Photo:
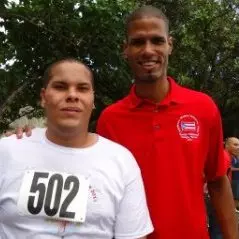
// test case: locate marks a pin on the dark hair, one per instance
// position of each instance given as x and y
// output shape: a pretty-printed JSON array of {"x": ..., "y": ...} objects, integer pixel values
[
  {"x": 47, "y": 73},
  {"x": 146, "y": 11}
]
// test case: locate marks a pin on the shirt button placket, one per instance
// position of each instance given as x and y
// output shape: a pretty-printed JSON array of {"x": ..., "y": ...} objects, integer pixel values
[{"x": 155, "y": 123}]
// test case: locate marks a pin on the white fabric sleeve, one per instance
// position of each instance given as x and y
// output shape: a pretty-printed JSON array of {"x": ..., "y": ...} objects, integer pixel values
[
  {"x": 2, "y": 164},
  {"x": 133, "y": 220}
]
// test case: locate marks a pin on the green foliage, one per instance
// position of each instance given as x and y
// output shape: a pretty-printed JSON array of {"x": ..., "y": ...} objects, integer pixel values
[
  {"x": 41, "y": 31},
  {"x": 205, "y": 56}
]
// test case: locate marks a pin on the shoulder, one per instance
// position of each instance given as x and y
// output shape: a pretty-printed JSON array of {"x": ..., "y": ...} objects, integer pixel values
[
  {"x": 200, "y": 100},
  {"x": 119, "y": 161},
  {"x": 12, "y": 141},
  {"x": 10, "y": 146},
  {"x": 120, "y": 154},
  {"x": 118, "y": 106},
  {"x": 195, "y": 96},
  {"x": 114, "y": 148}
]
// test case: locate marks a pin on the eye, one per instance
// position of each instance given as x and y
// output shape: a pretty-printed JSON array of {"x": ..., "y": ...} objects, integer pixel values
[
  {"x": 157, "y": 40},
  {"x": 137, "y": 42},
  {"x": 83, "y": 88},
  {"x": 59, "y": 86}
]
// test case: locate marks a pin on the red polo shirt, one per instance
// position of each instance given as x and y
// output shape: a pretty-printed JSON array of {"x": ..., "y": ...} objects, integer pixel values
[{"x": 175, "y": 143}]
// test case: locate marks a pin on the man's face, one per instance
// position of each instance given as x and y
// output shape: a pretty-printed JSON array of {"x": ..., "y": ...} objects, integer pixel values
[
  {"x": 147, "y": 49},
  {"x": 68, "y": 98},
  {"x": 233, "y": 146}
]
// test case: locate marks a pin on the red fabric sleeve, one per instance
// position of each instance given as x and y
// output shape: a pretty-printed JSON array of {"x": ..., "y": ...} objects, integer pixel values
[{"x": 216, "y": 165}]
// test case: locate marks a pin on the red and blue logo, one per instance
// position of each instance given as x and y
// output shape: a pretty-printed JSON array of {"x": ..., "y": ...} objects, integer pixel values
[{"x": 188, "y": 127}]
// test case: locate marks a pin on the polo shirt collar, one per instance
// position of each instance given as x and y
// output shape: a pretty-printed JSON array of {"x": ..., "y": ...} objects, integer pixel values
[{"x": 174, "y": 96}]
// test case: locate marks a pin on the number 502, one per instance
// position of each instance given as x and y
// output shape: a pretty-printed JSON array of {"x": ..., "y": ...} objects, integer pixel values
[{"x": 45, "y": 197}]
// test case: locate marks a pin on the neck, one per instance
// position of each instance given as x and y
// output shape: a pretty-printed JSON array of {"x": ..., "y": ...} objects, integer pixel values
[
  {"x": 155, "y": 91},
  {"x": 70, "y": 138}
]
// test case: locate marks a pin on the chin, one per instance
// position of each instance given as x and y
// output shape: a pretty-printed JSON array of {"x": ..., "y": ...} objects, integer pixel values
[
  {"x": 149, "y": 78},
  {"x": 70, "y": 126}
]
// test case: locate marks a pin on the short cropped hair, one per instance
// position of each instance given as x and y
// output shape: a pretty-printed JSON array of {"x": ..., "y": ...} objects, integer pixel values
[
  {"x": 146, "y": 11},
  {"x": 229, "y": 140},
  {"x": 47, "y": 74}
]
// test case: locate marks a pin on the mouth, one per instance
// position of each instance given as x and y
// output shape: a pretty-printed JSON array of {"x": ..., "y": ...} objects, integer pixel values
[
  {"x": 149, "y": 65},
  {"x": 71, "y": 109}
]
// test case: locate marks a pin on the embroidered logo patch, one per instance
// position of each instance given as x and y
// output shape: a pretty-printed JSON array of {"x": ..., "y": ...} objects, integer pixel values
[{"x": 188, "y": 127}]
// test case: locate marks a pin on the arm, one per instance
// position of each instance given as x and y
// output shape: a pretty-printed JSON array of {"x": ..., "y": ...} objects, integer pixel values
[
  {"x": 132, "y": 218},
  {"x": 218, "y": 184},
  {"x": 3, "y": 160},
  {"x": 234, "y": 169},
  {"x": 220, "y": 192}
]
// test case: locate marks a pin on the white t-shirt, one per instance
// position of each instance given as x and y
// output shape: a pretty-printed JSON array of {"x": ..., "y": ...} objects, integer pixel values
[{"x": 116, "y": 205}]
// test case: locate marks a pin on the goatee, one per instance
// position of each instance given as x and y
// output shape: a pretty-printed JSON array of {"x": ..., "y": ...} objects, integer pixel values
[{"x": 148, "y": 78}]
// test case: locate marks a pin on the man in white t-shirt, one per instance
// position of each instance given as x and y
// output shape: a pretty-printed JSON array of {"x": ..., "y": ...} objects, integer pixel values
[{"x": 64, "y": 182}]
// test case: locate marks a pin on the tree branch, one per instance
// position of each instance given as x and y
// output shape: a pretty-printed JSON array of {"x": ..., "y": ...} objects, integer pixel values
[
  {"x": 10, "y": 99},
  {"x": 11, "y": 15}
]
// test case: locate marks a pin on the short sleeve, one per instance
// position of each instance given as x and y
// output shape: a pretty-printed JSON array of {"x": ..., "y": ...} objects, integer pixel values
[
  {"x": 2, "y": 163},
  {"x": 133, "y": 220},
  {"x": 216, "y": 165}
]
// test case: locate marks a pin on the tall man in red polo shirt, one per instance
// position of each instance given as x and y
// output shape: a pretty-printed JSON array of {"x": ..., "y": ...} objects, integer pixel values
[{"x": 174, "y": 133}]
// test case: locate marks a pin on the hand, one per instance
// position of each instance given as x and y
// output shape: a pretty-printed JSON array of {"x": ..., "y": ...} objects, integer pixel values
[{"x": 20, "y": 131}]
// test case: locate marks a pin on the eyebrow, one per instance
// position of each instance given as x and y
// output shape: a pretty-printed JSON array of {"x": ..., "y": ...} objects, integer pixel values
[
  {"x": 59, "y": 81},
  {"x": 142, "y": 36},
  {"x": 65, "y": 82}
]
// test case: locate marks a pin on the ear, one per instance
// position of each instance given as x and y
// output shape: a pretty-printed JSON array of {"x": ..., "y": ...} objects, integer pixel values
[
  {"x": 43, "y": 98},
  {"x": 170, "y": 43}
]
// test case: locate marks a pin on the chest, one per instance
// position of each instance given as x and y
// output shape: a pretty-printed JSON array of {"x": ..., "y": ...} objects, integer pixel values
[
  {"x": 235, "y": 163},
  {"x": 53, "y": 192},
  {"x": 176, "y": 136}
]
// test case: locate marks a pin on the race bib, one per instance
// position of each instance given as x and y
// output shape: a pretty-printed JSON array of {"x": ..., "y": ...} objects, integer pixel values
[{"x": 59, "y": 196}]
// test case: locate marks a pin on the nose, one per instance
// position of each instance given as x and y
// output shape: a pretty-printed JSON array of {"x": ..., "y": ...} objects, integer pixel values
[
  {"x": 148, "y": 49},
  {"x": 72, "y": 95}
]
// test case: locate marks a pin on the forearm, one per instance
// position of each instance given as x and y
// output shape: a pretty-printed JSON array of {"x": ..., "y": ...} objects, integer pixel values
[{"x": 222, "y": 201}]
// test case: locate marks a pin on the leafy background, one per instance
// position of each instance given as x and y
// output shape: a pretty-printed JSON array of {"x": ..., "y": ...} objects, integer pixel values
[{"x": 36, "y": 32}]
